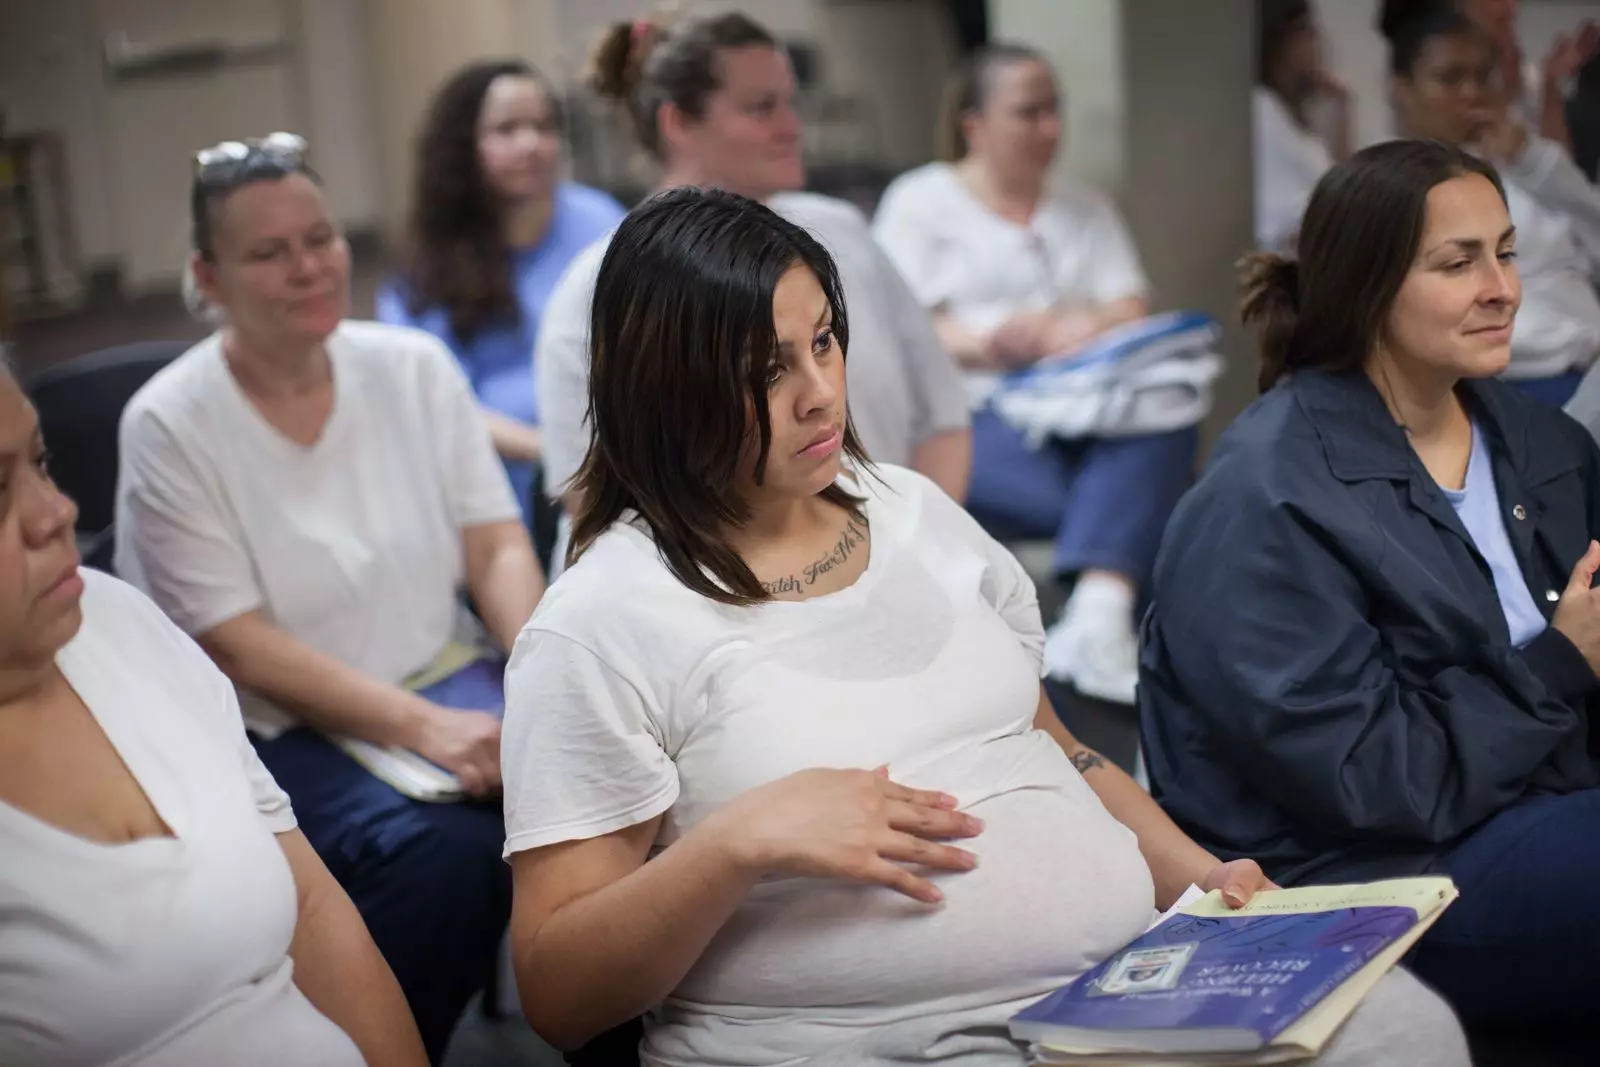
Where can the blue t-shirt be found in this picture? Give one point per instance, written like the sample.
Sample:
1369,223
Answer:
1477,504
499,358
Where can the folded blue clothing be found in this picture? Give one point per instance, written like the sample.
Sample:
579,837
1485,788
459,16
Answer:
479,686
1157,336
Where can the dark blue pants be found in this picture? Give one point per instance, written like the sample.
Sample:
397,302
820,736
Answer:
1104,501
1522,945
427,878
1553,391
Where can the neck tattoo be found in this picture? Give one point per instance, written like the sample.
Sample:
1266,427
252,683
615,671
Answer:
855,533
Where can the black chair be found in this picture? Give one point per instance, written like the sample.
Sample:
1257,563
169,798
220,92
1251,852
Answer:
80,403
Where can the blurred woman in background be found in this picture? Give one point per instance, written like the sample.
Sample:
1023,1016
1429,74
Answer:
492,227
1013,271
1444,89
711,97
308,497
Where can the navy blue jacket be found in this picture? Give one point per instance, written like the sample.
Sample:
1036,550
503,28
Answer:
1327,682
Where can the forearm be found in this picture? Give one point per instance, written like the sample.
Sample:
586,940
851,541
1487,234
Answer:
1553,116
514,440
504,579
613,954
340,970
946,458
1175,861
969,348
326,694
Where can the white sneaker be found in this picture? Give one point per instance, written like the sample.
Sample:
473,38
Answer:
1096,651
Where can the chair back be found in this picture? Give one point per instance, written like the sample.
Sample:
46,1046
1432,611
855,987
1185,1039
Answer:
80,403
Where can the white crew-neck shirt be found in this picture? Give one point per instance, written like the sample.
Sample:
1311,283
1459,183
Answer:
628,697
961,257
168,951
904,386
353,545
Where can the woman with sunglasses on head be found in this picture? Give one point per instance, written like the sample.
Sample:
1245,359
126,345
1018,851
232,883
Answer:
1374,646
492,228
308,497
711,97
1014,271
806,690
162,909
1444,88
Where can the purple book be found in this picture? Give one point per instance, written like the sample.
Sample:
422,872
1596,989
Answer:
1198,984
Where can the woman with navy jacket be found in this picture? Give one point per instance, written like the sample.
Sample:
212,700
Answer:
1373,644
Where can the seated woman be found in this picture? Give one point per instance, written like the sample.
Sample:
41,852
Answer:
160,906
1291,83
492,229
806,689
1444,88
1014,272
306,497
1373,643
711,98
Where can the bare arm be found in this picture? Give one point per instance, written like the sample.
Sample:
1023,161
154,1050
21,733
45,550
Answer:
946,458
1175,861
1553,116
503,576
599,936
969,348
328,695
340,970
514,440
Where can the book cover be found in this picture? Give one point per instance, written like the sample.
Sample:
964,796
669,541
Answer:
1240,979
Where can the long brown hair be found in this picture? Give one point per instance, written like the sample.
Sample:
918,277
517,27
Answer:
681,334
1359,236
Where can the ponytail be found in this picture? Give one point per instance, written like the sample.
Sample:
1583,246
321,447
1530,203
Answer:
1269,302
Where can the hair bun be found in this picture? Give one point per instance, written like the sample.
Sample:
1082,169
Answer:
612,70
1269,302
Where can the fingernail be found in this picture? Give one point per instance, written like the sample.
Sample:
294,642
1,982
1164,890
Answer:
1234,895
935,896
974,823
970,859
948,801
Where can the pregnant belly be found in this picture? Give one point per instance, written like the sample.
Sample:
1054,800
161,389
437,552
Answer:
1059,886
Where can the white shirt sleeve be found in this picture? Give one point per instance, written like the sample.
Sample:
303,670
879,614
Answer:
938,390
1547,174
177,540
581,753
561,365
914,247
1116,273
474,478
207,690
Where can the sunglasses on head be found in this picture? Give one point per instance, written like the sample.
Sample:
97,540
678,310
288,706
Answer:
287,149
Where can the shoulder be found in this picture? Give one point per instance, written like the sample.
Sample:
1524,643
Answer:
180,395
388,352
591,208
1540,440
1271,455
830,217
918,191
121,622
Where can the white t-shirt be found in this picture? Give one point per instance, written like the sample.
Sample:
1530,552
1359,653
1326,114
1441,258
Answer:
1556,210
904,387
1290,160
352,545
162,952
962,258
628,696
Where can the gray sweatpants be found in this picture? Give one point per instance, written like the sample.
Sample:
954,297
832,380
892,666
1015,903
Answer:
1402,1023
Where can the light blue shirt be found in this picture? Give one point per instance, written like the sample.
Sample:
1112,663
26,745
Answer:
498,360
1477,504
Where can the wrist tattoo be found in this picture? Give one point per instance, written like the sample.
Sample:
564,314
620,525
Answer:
1086,760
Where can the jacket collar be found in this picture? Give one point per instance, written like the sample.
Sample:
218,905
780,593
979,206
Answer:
1362,441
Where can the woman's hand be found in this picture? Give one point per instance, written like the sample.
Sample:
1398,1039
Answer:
1238,881
854,825
1020,341
1569,53
1502,138
1578,614
465,743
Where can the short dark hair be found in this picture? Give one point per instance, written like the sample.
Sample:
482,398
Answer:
968,90
214,184
681,333
643,65
456,255
1276,22
1411,26
1357,242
